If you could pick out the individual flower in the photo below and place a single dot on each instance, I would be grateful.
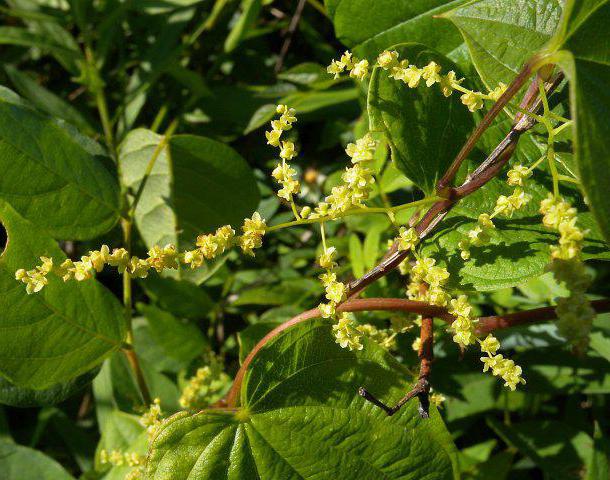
(407, 239)
(326, 260)
(517, 175)
(431, 73)
(360, 70)
(473, 100)
(490, 345)
(387, 59)
(497, 92)
(448, 83)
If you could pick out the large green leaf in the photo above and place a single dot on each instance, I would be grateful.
(301, 417)
(370, 27)
(425, 129)
(52, 176)
(582, 48)
(195, 186)
(22, 463)
(59, 333)
(502, 35)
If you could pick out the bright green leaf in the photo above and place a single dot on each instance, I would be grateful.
(22, 463)
(502, 35)
(370, 27)
(301, 417)
(52, 176)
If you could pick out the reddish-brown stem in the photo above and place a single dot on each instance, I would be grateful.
(485, 325)
(510, 92)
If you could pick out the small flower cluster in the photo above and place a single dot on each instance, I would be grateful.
(412, 76)
(407, 239)
(477, 236)
(346, 333)
(348, 63)
(159, 258)
(500, 366)
(35, 279)
(203, 388)
(507, 206)
(517, 175)
(151, 419)
(119, 459)
(209, 246)
(383, 337)
(561, 216)
(464, 325)
(253, 231)
(283, 173)
(427, 284)
(335, 291)
(357, 180)
(427, 281)
(575, 313)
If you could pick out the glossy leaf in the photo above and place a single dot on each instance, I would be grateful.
(301, 417)
(195, 186)
(370, 27)
(425, 129)
(59, 333)
(501, 36)
(53, 176)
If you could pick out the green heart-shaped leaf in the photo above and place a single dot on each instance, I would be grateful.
(501, 36)
(424, 128)
(301, 417)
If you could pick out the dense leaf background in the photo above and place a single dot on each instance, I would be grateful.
(214, 70)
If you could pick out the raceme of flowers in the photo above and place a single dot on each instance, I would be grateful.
(283, 172)
(412, 76)
(204, 387)
(506, 206)
(428, 285)
(159, 258)
(575, 313)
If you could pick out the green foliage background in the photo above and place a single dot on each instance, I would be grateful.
(89, 89)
